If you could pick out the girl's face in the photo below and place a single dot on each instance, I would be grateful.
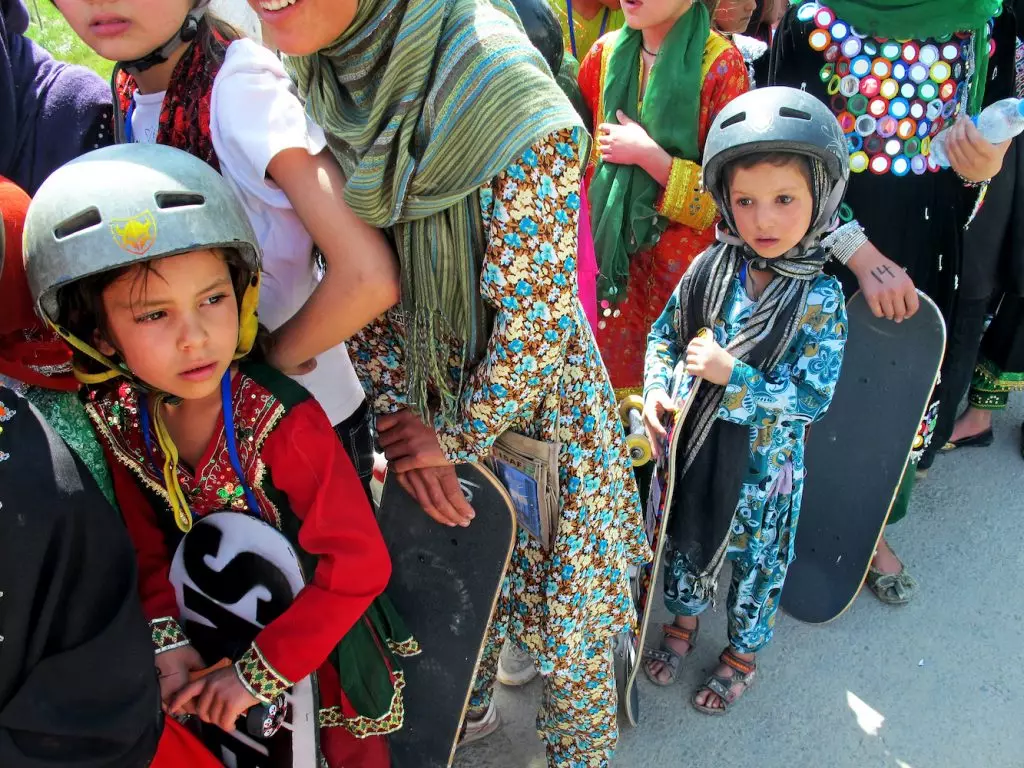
(124, 30)
(772, 206)
(645, 14)
(734, 15)
(302, 27)
(176, 325)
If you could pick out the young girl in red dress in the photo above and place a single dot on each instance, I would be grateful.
(146, 263)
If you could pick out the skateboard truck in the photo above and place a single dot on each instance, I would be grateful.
(262, 721)
(630, 411)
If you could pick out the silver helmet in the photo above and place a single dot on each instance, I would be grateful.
(778, 119)
(126, 204)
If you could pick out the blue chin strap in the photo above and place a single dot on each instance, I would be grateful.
(229, 437)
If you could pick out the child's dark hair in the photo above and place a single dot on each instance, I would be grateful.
(778, 159)
(215, 35)
(81, 310)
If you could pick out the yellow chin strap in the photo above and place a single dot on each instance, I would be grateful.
(248, 326)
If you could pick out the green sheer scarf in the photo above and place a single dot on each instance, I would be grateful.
(919, 19)
(623, 198)
(424, 102)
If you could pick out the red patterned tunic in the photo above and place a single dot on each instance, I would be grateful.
(306, 488)
(653, 275)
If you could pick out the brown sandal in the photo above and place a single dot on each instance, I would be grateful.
(667, 656)
(743, 672)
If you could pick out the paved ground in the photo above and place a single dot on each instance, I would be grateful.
(937, 684)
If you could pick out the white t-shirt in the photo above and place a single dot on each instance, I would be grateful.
(254, 115)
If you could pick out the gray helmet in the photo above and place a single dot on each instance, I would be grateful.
(778, 119)
(123, 205)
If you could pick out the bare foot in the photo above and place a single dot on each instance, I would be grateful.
(885, 559)
(661, 671)
(972, 422)
(711, 700)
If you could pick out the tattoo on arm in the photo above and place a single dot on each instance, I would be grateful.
(881, 274)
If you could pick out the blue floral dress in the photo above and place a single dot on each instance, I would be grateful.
(777, 408)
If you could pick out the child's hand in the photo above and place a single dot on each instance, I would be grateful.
(174, 668)
(218, 699)
(706, 360)
(625, 142)
(657, 406)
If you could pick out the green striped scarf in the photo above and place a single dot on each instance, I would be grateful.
(424, 102)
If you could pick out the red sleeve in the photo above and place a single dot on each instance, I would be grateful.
(310, 466)
(727, 79)
(590, 79)
(158, 600)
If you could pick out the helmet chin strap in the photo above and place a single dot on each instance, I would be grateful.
(187, 33)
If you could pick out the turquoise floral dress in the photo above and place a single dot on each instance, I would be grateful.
(777, 407)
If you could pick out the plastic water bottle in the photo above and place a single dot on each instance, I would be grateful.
(997, 122)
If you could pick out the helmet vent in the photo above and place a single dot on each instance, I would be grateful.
(165, 200)
(80, 222)
(799, 114)
(739, 117)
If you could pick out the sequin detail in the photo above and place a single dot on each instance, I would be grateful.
(891, 97)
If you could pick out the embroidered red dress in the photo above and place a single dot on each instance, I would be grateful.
(653, 275)
(306, 488)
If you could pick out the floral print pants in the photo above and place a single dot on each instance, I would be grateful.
(577, 719)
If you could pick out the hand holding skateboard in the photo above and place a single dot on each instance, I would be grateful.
(706, 360)
(216, 695)
(175, 669)
(414, 454)
(886, 286)
(658, 408)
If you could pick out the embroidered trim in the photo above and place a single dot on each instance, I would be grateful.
(167, 634)
(684, 201)
(114, 415)
(259, 677)
(363, 727)
(405, 648)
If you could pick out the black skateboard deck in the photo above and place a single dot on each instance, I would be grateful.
(445, 584)
(656, 524)
(857, 454)
(232, 575)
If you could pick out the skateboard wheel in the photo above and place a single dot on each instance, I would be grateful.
(628, 404)
(639, 449)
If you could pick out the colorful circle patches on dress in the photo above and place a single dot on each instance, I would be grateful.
(890, 96)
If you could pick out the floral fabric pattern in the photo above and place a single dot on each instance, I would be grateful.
(542, 377)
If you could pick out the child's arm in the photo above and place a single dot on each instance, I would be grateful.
(308, 463)
(806, 393)
(361, 281)
(275, 155)
(663, 350)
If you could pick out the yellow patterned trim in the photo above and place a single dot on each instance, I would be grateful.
(167, 634)
(259, 677)
(623, 392)
(715, 46)
(363, 727)
(684, 200)
(405, 648)
(137, 469)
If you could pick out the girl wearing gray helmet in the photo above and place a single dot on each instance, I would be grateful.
(143, 259)
(186, 79)
(775, 164)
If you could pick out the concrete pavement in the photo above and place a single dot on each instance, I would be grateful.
(936, 684)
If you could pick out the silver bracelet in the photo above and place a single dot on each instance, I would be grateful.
(844, 242)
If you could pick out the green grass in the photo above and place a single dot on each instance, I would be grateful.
(53, 33)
